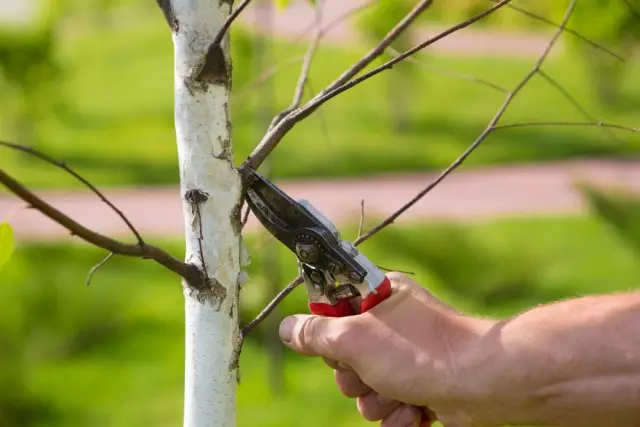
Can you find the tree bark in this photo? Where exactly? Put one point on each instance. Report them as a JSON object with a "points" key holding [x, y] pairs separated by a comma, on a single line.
{"points": [[211, 192]]}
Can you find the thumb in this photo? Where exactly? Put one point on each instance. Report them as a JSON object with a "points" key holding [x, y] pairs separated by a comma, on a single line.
{"points": [[316, 335]]}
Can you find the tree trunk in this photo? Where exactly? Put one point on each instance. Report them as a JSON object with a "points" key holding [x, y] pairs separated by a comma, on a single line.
{"points": [[211, 192]]}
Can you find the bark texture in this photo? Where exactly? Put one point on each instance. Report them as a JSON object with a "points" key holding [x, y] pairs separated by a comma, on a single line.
{"points": [[211, 192]]}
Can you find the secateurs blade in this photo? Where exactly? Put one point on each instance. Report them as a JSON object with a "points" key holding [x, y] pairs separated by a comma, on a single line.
{"points": [[334, 270]]}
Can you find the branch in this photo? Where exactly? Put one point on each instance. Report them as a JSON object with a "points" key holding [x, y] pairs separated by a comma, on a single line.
{"points": [[189, 272], [380, 48], [456, 74], [567, 30], [63, 166], [568, 124], [575, 102], [488, 130], [275, 135], [304, 71], [246, 330], [227, 23], [271, 71]]}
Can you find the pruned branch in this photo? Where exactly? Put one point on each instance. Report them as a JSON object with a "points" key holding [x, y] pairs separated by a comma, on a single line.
{"points": [[63, 166], [275, 135], [189, 272]]}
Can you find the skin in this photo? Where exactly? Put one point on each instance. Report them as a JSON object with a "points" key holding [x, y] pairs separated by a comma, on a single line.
{"points": [[413, 360]]}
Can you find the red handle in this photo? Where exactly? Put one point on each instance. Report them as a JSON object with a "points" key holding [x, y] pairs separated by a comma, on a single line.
{"points": [[343, 308], [384, 291]]}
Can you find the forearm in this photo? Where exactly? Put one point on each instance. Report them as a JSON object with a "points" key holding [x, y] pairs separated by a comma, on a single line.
{"points": [[571, 363]]}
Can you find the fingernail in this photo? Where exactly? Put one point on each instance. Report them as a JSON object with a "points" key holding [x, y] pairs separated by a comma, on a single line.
{"points": [[286, 328], [408, 416], [384, 400]]}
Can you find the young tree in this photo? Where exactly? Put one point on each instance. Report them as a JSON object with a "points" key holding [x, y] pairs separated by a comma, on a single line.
{"points": [[211, 185]]}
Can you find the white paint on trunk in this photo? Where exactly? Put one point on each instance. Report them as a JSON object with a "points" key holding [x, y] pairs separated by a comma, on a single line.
{"points": [[210, 188]]}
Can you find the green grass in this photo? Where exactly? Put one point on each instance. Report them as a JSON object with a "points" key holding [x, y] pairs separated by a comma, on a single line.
{"points": [[112, 354], [116, 124]]}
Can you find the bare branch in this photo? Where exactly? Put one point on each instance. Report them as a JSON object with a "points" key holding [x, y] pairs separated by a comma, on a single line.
{"points": [[567, 30], [568, 124], [488, 130], [456, 74], [395, 269], [575, 102], [227, 23], [306, 67], [246, 330], [271, 71], [187, 271], [97, 267], [380, 48], [63, 166], [275, 135]]}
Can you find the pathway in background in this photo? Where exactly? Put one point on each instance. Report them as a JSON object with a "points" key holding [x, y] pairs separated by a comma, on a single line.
{"points": [[298, 18], [468, 194]]}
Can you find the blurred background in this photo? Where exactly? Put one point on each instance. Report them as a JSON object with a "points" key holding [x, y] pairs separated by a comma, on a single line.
{"points": [[537, 214]]}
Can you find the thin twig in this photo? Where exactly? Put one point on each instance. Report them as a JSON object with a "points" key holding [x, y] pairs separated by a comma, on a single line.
{"points": [[271, 306], [553, 82], [567, 30], [361, 218], [274, 136], [304, 70], [97, 267], [483, 136], [395, 269], [568, 124], [271, 71], [445, 71], [63, 166], [227, 22], [189, 272]]}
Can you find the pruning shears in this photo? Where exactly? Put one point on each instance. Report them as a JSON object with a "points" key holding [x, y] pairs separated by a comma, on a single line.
{"points": [[334, 270]]}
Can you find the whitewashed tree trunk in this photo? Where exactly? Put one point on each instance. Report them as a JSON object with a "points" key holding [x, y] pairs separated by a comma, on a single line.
{"points": [[211, 192]]}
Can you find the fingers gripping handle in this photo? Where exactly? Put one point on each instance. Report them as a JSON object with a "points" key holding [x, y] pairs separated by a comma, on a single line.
{"points": [[343, 308]]}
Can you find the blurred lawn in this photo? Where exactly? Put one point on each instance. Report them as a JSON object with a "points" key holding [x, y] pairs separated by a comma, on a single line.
{"points": [[115, 123], [112, 354]]}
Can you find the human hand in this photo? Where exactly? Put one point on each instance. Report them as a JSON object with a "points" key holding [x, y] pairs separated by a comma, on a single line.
{"points": [[397, 359]]}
